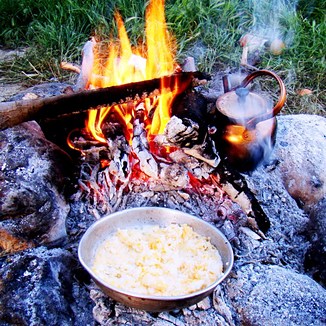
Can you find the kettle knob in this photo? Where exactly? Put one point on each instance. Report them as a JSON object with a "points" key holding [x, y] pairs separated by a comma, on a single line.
{"points": [[242, 93]]}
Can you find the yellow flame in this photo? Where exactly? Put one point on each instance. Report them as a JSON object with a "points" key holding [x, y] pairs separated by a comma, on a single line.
{"points": [[237, 134], [159, 43], [125, 65]]}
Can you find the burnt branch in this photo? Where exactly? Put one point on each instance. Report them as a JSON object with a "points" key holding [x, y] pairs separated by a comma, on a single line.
{"points": [[235, 185], [13, 113]]}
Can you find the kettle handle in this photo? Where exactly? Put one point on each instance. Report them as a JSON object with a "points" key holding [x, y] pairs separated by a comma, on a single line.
{"points": [[278, 106]]}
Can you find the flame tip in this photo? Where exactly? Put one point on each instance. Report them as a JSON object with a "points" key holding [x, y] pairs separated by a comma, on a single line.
{"points": [[125, 64]]}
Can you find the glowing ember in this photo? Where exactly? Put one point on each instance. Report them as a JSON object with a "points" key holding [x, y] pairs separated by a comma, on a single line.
{"points": [[124, 65]]}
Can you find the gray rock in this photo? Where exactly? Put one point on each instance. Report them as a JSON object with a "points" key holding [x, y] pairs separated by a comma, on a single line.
{"points": [[41, 91], [286, 191], [270, 285], [315, 260], [286, 243], [300, 149], [33, 210], [272, 295], [38, 287]]}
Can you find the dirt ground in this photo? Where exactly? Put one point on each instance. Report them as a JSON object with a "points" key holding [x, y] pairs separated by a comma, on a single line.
{"points": [[8, 90]]}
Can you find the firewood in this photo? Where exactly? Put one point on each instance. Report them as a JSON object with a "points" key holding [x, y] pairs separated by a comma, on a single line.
{"points": [[13, 113], [235, 185], [70, 67], [87, 65], [189, 64]]}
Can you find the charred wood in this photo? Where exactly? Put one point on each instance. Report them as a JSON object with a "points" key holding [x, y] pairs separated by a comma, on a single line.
{"points": [[235, 185], [192, 106], [13, 113]]}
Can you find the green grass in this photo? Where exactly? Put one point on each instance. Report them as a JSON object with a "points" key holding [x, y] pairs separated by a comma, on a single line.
{"points": [[208, 30], [303, 65], [215, 25]]}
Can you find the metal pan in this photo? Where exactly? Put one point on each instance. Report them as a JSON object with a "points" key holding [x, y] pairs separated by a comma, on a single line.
{"points": [[143, 216]]}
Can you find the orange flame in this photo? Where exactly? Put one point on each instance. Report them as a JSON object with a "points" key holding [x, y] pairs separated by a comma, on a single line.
{"points": [[125, 65]]}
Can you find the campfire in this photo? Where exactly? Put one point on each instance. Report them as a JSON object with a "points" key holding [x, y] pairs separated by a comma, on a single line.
{"points": [[142, 133], [157, 146], [150, 134]]}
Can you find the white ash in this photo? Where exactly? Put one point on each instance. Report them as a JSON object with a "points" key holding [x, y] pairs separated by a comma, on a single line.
{"points": [[179, 133], [140, 147], [198, 168], [183, 133], [134, 169], [197, 152], [172, 176]]}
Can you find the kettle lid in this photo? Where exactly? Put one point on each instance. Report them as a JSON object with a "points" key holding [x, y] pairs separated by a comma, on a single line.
{"points": [[241, 104]]}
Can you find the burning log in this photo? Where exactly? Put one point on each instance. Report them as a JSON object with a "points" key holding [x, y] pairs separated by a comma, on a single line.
{"points": [[189, 164], [13, 113]]}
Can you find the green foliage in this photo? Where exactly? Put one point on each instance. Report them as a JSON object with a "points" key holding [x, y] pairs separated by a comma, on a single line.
{"points": [[302, 65], [313, 10], [216, 24]]}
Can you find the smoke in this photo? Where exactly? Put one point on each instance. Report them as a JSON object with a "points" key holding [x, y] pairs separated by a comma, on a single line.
{"points": [[273, 19]]}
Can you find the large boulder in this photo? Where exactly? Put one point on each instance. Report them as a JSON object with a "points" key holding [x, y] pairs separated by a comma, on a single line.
{"points": [[272, 295], [300, 149], [33, 209], [39, 287]]}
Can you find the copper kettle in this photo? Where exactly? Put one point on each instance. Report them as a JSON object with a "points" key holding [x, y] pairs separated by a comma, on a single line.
{"points": [[246, 123]]}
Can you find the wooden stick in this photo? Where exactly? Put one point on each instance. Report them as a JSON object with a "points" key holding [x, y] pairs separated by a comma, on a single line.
{"points": [[70, 66], [13, 113], [86, 66]]}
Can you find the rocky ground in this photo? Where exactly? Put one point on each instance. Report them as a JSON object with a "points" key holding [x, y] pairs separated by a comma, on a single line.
{"points": [[279, 280]]}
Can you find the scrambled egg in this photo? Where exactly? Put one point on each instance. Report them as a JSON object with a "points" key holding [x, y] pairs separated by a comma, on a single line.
{"points": [[163, 261]]}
